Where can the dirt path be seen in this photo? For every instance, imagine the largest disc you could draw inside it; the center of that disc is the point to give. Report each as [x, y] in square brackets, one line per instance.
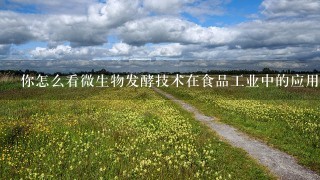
[279, 163]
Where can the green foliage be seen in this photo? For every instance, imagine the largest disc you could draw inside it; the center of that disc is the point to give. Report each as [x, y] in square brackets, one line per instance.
[111, 134]
[287, 118]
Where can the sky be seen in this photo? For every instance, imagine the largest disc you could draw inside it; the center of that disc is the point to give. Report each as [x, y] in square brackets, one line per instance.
[159, 30]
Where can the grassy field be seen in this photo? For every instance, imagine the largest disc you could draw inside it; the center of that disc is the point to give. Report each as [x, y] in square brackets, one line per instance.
[110, 133]
[286, 118]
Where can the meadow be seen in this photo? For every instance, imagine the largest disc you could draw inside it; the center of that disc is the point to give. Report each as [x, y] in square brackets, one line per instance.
[287, 118]
[111, 133]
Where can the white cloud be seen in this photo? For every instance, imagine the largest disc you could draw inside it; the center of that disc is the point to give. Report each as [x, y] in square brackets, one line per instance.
[14, 29]
[169, 50]
[289, 8]
[174, 51]
[277, 33]
[224, 53]
[61, 52]
[168, 29]
[121, 49]
[77, 30]
[115, 12]
[19, 29]
[289, 29]
[80, 30]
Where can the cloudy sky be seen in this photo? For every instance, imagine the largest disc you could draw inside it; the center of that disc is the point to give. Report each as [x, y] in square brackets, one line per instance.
[160, 29]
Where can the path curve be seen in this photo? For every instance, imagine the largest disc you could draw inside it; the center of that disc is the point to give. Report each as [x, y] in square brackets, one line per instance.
[279, 163]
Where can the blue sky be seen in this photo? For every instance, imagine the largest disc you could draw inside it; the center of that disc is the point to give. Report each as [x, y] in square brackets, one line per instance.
[167, 29]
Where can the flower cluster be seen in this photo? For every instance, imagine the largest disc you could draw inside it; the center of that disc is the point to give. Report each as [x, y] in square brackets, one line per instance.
[107, 139]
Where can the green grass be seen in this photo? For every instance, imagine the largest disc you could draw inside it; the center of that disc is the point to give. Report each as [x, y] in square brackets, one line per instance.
[287, 118]
[113, 133]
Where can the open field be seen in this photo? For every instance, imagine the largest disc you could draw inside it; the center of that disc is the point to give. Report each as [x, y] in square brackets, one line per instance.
[110, 133]
[285, 118]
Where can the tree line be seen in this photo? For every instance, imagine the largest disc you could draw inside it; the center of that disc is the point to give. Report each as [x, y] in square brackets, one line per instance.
[104, 71]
